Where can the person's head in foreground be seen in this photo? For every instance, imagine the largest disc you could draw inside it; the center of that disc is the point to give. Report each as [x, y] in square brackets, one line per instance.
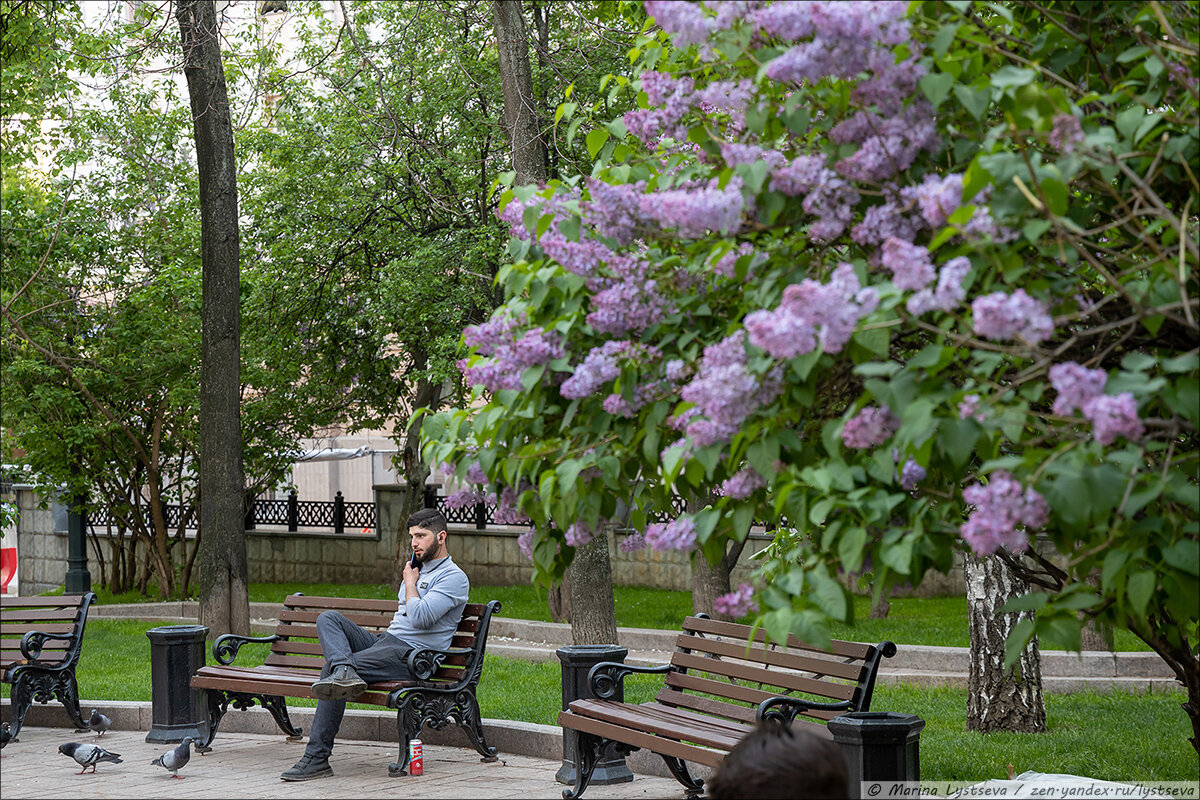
[781, 761]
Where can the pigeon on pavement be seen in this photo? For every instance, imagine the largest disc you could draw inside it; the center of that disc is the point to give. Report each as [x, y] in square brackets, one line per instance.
[5, 735]
[174, 760]
[99, 723]
[87, 755]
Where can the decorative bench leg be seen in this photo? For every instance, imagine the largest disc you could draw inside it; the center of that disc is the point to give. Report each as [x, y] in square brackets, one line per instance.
[471, 721]
[408, 725]
[22, 699]
[588, 748]
[694, 786]
[66, 689]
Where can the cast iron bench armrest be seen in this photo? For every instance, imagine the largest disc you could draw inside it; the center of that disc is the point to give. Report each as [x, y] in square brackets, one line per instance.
[607, 677]
[793, 706]
[225, 648]
[424, 662]
[33, 642]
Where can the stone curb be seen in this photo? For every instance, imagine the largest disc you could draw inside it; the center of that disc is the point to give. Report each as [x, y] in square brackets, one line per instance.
[507, 736]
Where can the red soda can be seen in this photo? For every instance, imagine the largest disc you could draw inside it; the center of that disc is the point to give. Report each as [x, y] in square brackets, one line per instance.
[416, 758]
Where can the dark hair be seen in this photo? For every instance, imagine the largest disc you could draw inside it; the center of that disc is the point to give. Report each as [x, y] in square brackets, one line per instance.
[780, 761]
[428, 518]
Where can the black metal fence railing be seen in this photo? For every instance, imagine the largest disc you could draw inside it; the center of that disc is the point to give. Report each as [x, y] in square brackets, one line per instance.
[340, 515]
[291, 512]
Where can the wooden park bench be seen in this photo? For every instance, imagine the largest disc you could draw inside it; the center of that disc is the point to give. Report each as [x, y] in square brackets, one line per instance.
[443, 689]
[719, 684]
[40, 642]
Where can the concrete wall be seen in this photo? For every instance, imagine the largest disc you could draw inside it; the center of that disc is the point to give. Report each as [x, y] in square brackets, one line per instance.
[490, 557]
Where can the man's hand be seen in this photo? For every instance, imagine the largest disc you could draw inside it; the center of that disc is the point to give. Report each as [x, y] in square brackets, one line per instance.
[411, 574]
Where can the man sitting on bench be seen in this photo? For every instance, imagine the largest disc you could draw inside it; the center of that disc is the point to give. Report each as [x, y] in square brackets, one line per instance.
[431, 605]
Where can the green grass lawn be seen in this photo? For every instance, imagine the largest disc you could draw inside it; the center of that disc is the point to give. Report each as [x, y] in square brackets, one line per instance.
[1116, 736]
[912, 620]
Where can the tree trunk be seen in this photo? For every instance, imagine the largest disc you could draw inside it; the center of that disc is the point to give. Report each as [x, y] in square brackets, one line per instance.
[710, 581]
[593, 610]
[1093, 635]
[221, 562]
[558, 600]
[520, 106]
[415, 472]
[999, 699]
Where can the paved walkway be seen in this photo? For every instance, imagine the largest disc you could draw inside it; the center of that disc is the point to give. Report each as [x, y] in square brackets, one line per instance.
[248, 765]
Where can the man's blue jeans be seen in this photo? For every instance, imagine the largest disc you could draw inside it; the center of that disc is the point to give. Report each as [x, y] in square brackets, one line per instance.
[374, 658]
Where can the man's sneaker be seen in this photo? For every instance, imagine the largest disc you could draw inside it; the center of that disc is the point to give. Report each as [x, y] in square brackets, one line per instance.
[341, 684]
[308, 768]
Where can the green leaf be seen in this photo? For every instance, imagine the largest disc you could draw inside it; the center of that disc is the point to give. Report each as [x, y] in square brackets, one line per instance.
[1138, 362]
[1139, 590]
[1017, 641]
[1026, 602]
[1184, 555]
[974, 101]
[1129, 119]
[936, 85]
[956, 438]
[743, 517]
[850, 548]
[1056, 196]
[945, 37]
[830, 596]
[1010, 76]
[595, 140]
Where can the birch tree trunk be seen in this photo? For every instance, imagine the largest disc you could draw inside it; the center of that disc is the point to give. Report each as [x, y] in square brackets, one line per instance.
[999, 699]
[221, 560]
[710, 581]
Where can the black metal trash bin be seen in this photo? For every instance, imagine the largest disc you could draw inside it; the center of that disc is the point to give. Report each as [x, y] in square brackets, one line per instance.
[880, 746]
[577, 660]
[178, 710]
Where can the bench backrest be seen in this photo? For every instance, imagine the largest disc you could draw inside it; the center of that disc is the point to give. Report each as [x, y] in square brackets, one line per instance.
[60, 615]
[720, 668]
[297, 646]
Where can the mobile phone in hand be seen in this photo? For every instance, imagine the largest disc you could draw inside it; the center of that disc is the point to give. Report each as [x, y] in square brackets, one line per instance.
[415, 562]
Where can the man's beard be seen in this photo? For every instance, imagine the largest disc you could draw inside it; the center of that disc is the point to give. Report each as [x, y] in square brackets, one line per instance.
[432, 554]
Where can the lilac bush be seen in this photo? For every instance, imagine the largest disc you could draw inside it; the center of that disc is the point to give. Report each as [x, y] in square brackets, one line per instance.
[831, 231]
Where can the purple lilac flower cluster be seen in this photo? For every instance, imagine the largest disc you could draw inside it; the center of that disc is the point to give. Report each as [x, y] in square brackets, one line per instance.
[1081, 388]
[742, 484]
[1003, 511]
[678, 534]
[466, 498]
[511, 359]
[812, 313]
[692, 213]
[629, 299]
[507, 511]
[1000, 316]
[686, 20]
[725, 391]
[726, 265]
[580, 533]
[968, 407]
[1065, 133]
[950, 290]
[632, 542]
[872, 426]
[911, 474]
[892, 144]
[525, 542]
[737, 603]
[602, 364]
[614, 211]
[844, 35]
[911, 266]
[1075, 385]
[828, 197]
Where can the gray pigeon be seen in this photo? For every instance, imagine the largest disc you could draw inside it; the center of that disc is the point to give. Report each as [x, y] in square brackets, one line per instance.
[99, 723]
[174, 760]
[87, 755]
[5, 735]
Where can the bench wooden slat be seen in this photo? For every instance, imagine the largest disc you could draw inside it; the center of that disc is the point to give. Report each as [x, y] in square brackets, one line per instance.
[658, 722]
[339, 603]
[749, 672]
[709, 705]
[18, 629]
[777, 658]
[367, 619]
[647, 741]
[39, 614]
[70, 601]
[735, 631]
